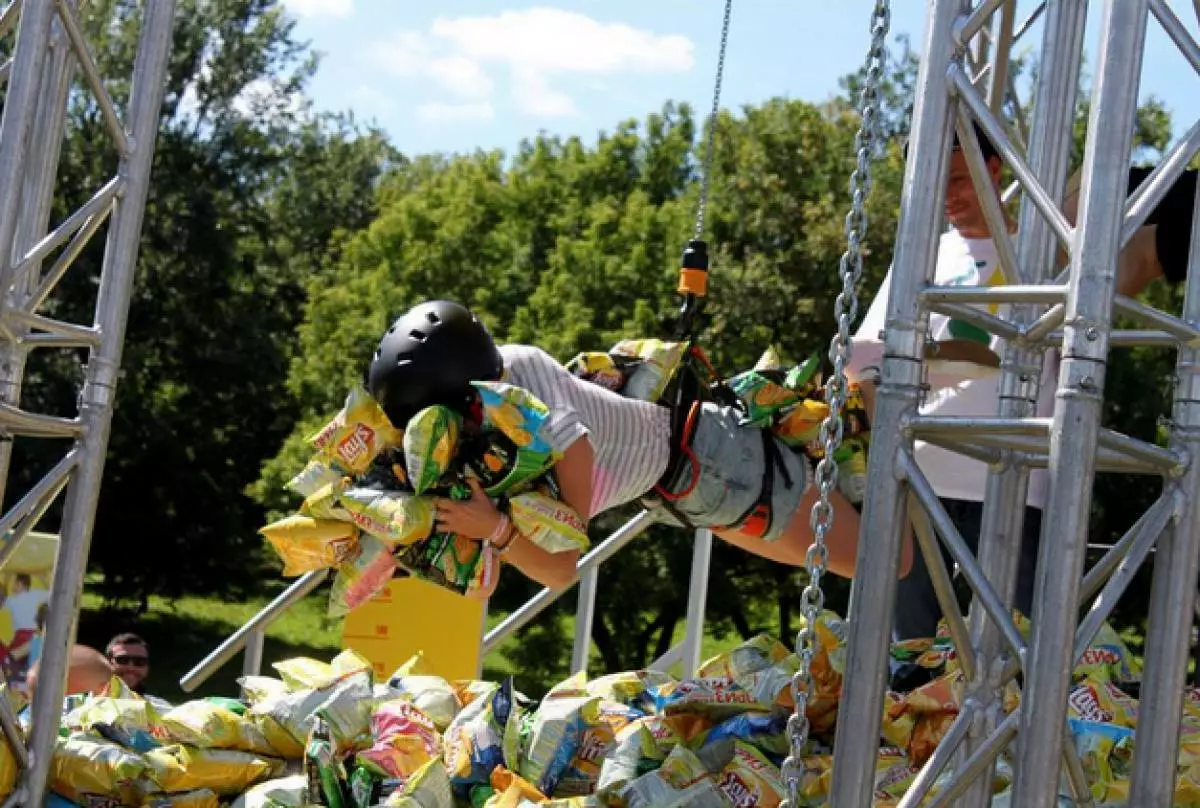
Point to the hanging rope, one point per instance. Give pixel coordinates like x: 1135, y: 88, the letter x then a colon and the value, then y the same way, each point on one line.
x: 693, y: 271
x: 812, y: 600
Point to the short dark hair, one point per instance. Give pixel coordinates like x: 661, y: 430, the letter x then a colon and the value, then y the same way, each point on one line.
x: 986, y: 145
x: 128, y: 638
x: 24, y: 579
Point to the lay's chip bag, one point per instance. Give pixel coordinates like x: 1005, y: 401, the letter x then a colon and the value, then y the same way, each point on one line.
x: 430, y: 443
x: 357, y: 434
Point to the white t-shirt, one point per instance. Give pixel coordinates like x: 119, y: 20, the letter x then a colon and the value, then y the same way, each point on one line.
x: 23, y: 607
x: 961, y: 262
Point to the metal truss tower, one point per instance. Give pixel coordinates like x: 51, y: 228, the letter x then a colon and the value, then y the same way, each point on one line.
x: 50, y: 61
x: 1067, y: 308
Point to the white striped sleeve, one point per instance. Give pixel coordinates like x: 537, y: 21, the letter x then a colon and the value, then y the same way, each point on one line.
x: 565, y: 424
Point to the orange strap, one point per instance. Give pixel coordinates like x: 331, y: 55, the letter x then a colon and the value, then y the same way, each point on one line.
x: 686, y: 450
x: 693, y: 282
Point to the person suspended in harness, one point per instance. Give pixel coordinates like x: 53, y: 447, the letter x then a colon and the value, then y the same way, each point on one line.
x: 709, y: 468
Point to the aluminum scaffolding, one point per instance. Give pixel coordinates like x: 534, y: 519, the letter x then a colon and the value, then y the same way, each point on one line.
x: 50, y: 48
x: 965, y: 78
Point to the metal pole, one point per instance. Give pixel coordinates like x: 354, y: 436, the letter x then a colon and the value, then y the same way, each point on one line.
x: 1002, y: 534
x: 1173, y: 591
x: 17, y: 121
x: 585, y: 615
x: 37, y: 197
x: 112, y: 307
x: 1074, y: 434
x: 693, y: 637
x: 874, y: 589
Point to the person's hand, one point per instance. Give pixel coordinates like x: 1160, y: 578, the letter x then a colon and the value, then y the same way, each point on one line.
x: 475, y: 518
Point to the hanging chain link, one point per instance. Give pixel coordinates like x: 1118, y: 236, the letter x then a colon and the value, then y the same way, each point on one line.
x: 712, y: 124
x: 812, y: 600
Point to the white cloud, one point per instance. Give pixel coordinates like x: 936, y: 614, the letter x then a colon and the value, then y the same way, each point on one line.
x: 534, y: 95
x: 461, y: 75
x: 540, y: 49
x: 441, y: 112
x: 319, y: 8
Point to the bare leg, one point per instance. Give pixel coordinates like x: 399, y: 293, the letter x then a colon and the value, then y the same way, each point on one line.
x: 842, y: 539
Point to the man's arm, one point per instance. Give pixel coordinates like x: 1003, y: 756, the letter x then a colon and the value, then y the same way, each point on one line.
x: 1159, y: 249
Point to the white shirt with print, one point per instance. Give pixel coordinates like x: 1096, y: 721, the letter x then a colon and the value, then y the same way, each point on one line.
x: 957, y: 390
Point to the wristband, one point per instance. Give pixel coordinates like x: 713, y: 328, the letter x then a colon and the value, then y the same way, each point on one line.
x: 503, y: 530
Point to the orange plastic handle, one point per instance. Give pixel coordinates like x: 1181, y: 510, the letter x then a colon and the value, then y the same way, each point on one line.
x: 693, y: 281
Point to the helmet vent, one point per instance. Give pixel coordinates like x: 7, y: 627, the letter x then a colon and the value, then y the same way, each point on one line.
x: 418, y: 335
x: 433, y: 317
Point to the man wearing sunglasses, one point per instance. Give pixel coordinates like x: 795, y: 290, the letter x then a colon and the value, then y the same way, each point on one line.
x: 130, y: 658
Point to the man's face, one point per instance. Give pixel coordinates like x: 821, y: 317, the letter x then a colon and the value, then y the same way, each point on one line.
x: 963, y: 208
x: 131, y: 662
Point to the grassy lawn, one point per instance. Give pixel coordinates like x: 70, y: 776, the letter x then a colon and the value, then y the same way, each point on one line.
x: 182, y: 632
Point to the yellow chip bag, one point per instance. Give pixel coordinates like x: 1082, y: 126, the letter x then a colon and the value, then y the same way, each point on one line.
x: 428, y: 788
x: 801, y: 423
x: 405, y: 740
x: 317, y: 474
x: 362, y: 576
x: 131, y: 722
x: 224, y: 771
x: 658, y: 363
x: 357, y: 434
x: 8, y: 768
x: 432, y: 695
x: 750, y: 780
x: 430, y: 441
x: 305, y: 673
x: 200, y: 798
x: 206, y: 725
x: 753, y: 655
x: 394, y: 517
x: 324, y: 503
x: 88, y: 771
x: 291, y: 791
x: 552, y: 525
x: 306, y: 544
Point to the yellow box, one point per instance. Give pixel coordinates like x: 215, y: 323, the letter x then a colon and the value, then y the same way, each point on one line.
x: 411, y: 616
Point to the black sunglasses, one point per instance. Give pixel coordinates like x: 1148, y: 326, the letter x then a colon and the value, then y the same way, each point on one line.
x: 132, y: 661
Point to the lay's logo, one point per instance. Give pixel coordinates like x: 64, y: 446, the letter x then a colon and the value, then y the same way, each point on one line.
x: 737, y: 791
x: 355, y: 446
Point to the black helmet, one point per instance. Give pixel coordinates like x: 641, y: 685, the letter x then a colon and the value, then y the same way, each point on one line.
x: 430, y: 356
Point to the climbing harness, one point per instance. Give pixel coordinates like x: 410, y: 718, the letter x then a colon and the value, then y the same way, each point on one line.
x: 846, y: 310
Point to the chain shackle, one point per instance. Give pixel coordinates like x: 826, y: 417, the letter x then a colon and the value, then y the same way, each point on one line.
x: 812, y: 599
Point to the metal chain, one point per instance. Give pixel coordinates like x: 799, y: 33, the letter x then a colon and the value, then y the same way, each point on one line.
x: 812, y: 601
x: 712, y: 125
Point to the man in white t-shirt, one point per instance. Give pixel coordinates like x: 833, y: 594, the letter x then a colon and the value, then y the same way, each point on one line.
x: 967, y: 256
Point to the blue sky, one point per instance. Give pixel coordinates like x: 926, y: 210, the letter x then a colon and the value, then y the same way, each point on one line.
x: 456, y: 75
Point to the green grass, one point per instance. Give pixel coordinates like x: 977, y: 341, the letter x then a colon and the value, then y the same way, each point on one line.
x: 183, y: 632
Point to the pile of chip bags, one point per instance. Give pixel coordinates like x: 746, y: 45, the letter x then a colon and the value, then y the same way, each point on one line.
x: 788, y: 400
x: 369, y: 491
x: 329, y: 734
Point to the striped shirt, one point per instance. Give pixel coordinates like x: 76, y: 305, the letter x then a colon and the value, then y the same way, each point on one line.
x: 631, y: 439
